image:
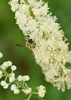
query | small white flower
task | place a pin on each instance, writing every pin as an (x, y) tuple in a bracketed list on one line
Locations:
[(14, 5), (9, 63), (26, 78), (12, 77), (13, 67), (1, 55), (27, 91), (25, 8), (13, 87), (20, 78), (16, 91), (41, 91), (6, 64), (4, 84), (1, 74), (3, 67)]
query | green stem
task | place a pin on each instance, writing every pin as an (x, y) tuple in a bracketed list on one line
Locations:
[(31, 13), (30, 9), (29, 97), (26, 1), (4, 71), (38, 98)]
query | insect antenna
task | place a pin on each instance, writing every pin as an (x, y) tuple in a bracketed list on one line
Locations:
[(20, 44)]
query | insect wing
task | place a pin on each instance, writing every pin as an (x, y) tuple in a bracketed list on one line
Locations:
[(32, 53)]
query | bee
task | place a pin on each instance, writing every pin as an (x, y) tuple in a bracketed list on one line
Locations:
[(30, 44)]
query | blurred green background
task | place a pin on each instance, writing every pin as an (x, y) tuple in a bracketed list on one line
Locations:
[(10, 34)]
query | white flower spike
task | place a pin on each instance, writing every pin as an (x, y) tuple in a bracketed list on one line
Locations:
[(51, 51)]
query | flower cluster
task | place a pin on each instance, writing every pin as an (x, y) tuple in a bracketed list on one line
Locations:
[(17, 84), (51, 51), (41, 91)]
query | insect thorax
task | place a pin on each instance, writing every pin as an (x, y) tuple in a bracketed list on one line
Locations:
[(30, 43)]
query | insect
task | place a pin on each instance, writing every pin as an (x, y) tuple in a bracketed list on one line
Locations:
[(30, 44)]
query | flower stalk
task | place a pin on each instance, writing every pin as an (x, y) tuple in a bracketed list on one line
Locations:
[(18, 84)]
